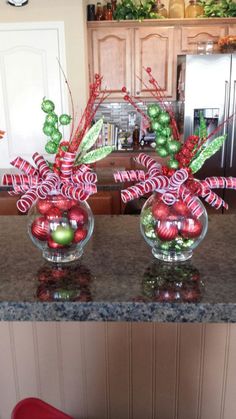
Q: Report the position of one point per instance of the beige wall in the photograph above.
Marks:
(73, 14)
(121, 370)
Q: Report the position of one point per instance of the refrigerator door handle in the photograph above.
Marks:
(226, 107)
(233, 128)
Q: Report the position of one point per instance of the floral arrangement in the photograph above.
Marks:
(129, 10)
(174, 217)
(227, 42)
(70, 173)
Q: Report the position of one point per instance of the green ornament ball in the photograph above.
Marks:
(162, 151)
(155, 125)
(173, 146)
(150, 232)
(173, 164)
(51, 118)
(166, 245)
(51, 147)
(47, 106)
(63, 235)
(147, 217)
(48, 129)
(166, 131)
(64, 119)
(164, 118)
(56, 136)
(160, 140)
(153, 110)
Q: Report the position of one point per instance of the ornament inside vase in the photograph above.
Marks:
(172, 231)
(60, 227)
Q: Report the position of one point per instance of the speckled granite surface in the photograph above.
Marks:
(117, 278)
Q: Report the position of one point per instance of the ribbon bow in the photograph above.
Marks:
(179, 185)
(38, 182)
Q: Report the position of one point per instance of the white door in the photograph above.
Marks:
(29, 70)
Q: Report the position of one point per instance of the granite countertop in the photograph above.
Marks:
(117, 278)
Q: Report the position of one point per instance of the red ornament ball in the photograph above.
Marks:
(40, 228)
(44, 205)
(53, 213)
(77, 214)
(64, 204)
(167, 231)
(180, 208)
(80, 235)
(191, 228)
(54, 245)
(160, 210)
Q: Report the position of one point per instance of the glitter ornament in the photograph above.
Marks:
(47, 106)
(180, 208)
(153, 110)
(162, 151)
(53, 213)
(64, 119)
(78, 215)
(147, 218)
(63, 235)
(40, 228)
(160, 140)
(48, 129)
(51, 118)
(56, 136)
(80, 234)
(51, 147)
(166, 231)
(155, 125)
(173, 146)
(191, 228)
(64, 204)
(44, 205)
(160, 211)
(164, 118)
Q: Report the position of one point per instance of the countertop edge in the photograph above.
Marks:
(119, 311)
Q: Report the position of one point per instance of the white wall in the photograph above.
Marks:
(73, 13)
(121, 370)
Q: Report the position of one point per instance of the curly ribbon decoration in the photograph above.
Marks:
(74, 183)
(172, 188)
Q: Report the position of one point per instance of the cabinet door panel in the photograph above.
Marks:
(111, 58)
(154, 47)
(191, 36)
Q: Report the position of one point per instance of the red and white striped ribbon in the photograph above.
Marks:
(41, 164)
(27, 200)
(9, 180)
(52, 182)
(24, 166)
(74, 192)
(147, 162)
(67, 163)
(142, 188)
(130, 176)
(81, 177)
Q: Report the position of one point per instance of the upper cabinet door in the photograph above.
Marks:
(154, 48)
(110, 56)
(29, 71)
(192, 35)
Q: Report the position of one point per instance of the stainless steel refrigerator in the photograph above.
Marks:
(207, 84)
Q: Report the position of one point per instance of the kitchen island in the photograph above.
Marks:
(117, 278)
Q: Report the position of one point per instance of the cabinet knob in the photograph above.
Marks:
(137, 93)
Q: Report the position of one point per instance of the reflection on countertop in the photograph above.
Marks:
(121, 268)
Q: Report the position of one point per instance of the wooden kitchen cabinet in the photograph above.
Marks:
(120, 54)
(154, 48)
(192, 35)
(119, 50)
(110, 53)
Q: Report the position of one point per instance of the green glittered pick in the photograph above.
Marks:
(91, 137)
(96, 155)
(211, 149)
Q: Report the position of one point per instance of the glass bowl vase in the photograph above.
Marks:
(60, 227)
(172, 231)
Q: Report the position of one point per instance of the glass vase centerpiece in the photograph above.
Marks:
(174, 220)
(54, 193)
